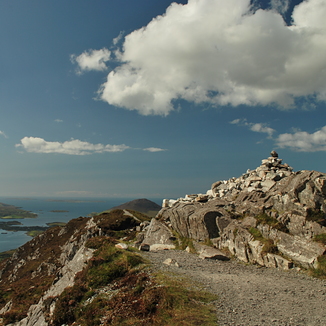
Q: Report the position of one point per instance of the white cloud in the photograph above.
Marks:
(117, 39)
(58, 120)
(2, 133)
(236, 121)
(280, 6)
(302, 141)
(154, 149)
(260, 127)
(220, 52)
(91, 60)
(257, 127)
(71, 147)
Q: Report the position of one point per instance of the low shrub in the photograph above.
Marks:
(268, 244)
(67, 305)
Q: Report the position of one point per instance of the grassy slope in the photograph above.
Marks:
(116, 286)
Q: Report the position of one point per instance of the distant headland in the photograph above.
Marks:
(13, 212)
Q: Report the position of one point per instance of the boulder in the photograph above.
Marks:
(213, 253)
(158, 233)
(276, 261)
(159, 246)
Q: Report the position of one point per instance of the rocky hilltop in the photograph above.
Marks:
(271, 216)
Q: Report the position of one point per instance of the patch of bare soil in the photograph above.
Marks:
(250, 295)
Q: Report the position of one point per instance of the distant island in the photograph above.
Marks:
(59, 211)
(13, 212)
(74, 201)
(32, 231)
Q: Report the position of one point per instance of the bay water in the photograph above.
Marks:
(50, 210)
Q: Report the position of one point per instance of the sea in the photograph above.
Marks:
(51, 210)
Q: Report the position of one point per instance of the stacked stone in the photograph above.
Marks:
(263, 178)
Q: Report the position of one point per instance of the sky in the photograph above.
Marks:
(157, 99)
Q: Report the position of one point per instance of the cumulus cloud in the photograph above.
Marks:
(58, 120)
(91, 60)
(257, 127)
(71, 147)
(218, 52)
(302, 141)
(154, 149)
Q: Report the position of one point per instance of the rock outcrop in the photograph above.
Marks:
(267, 216)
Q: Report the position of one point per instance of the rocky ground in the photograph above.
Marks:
(250, 295)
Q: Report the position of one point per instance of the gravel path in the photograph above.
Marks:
(250, 295)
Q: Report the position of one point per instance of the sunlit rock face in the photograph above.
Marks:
(286, 207)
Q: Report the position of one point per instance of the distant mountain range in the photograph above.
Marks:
(142, 205)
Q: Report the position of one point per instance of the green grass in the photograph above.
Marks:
(16, 217)
(320, 271)
(320, 238)
(34, 233)
(185, 304)
(134, 296)
(273, 222)
(268, 244)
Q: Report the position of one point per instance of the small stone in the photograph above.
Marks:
(121, 246)
(170, 262)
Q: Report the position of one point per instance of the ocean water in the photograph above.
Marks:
(45, 207)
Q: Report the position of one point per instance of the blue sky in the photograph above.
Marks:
(157, 99)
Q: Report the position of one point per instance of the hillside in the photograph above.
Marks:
(142, 205)
(82, 274)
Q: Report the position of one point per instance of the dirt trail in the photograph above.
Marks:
(250, 295)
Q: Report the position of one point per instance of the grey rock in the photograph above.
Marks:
(158, 233)
(296, 200)
(274, 154)
(171, 262)
(159, 246)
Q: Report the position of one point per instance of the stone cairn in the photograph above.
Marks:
(263, 178)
